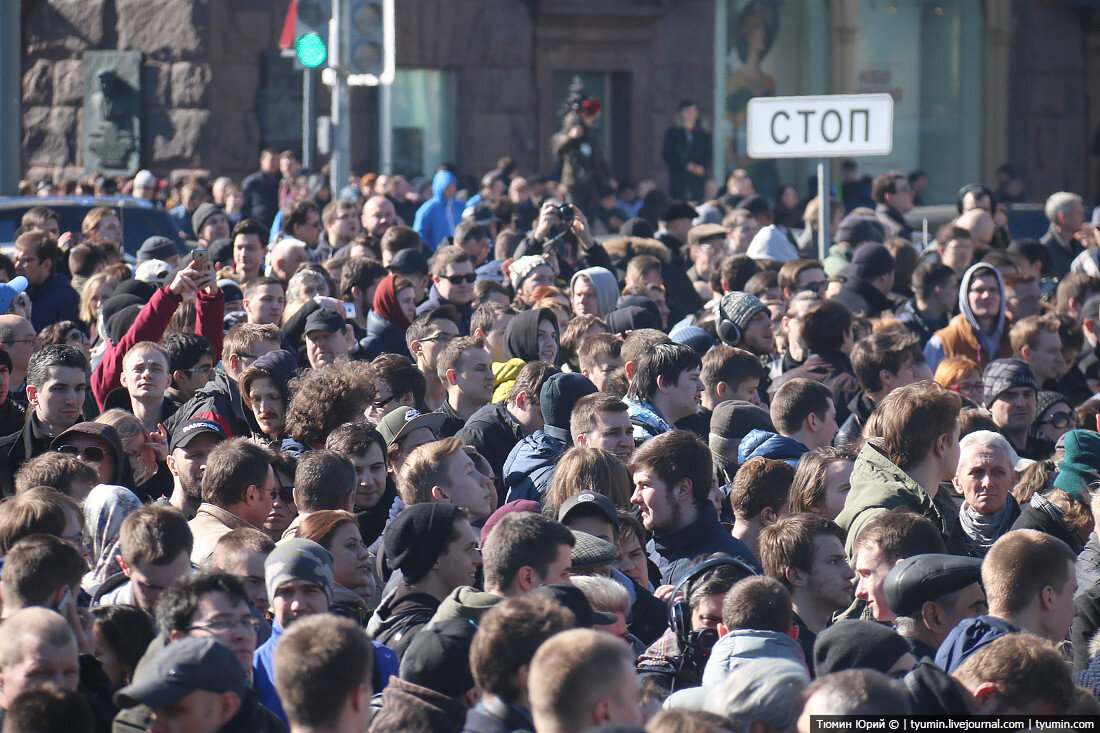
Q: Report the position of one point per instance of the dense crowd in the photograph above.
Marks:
(545, 454)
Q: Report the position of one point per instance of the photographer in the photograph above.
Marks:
(562, 231)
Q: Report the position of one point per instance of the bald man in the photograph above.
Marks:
(37, 646)
(981, 227)
(17, 337)
(378, 216)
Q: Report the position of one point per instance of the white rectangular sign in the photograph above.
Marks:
(821, 127)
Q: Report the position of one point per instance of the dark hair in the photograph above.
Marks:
(39, 510)
(127, 630)
(53, 356)
(362, 273)
(758, 603)
(664, 360)
(85, 260)
(177, 604)
(247, 227)
(810, 478)
(825, 326)
(887, 350)
(530, 380)
(324, 479)
(354, 439)
(733, 272)
(913, 417)
(418, 329)
(38, 566)
(789, 543)
(295, 215)
(400, 237)
(45, 246)
(470, 231)
(928, 276)
(327, 397)
(675, 456)
(731, 365)
(156, 535)
(522, 539)
(49, 707)
(901, 534)
(884, 184)
(231, 468)
(486, 313)
(400, 376)
(760, 483)
(185, 349)
(55, 470)
(795, 400)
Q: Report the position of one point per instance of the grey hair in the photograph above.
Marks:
(1059, 202)
(767, 690)
(989, 439)
(603, 594)
(295, 287)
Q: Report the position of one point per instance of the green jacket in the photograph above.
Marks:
(879, 486)
(839, 257)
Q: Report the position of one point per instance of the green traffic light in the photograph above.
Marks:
(311, 50)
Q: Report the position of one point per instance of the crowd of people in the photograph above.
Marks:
(509, 459)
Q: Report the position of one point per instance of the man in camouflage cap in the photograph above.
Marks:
(298, 575)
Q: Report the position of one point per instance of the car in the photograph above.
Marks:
(140, 219)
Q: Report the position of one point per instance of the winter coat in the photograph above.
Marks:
(495, 716)
(863, 298)
(968, 637)
(438, 216)
(680, 147)
(220, 401)
(963, 336)
(435, 300)
(530, 464)
(52, 301)
(261, 197)
(766, 444)
(674, 552)
(923, 327)
(400, 615)
(382, 338)
(1061, 253)
(935, 692)
(410, 708)
(1085, 625)
(18, 448)
(859, 410)
(832, 369)
(742, 645)
(494, 433)
(893, 222)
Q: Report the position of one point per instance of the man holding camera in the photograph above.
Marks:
(562, 232)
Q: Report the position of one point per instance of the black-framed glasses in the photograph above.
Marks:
(382, 405)
(1061, 420)
(208, 371)
(225, 623)
(88, 453)
(468, 278)
(442, 338)
(28, 340)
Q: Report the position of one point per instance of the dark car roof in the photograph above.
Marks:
(140, 219)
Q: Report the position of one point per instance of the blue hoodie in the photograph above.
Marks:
(766, 444)
(968, 637)
(438, 216)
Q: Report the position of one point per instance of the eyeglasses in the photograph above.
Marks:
(79, 336)
(1061, 420)
(442, 338)
(382, 404)
(208, 371)
(469, 277)
(88, 453)
(223, 624)
(814, 287)
(28, 340)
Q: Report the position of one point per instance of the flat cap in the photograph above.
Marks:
(922, 578)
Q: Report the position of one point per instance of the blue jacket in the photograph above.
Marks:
(437, 217)
(766, 444)
(674, 553)
(434, 300)
(530, 466)
(382, 338)
(54, 300)
(968, 637)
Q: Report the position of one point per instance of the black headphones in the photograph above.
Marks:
(728, 331)
(978, 189)
(679, 613)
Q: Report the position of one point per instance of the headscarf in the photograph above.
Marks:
(385, 303)
(105, 508)
(521, 338)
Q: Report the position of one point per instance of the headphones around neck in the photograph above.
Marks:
(727, 330)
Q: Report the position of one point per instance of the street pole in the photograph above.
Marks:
(823, 210)
(309, 119)
(11, 96)
(385, 127)
(341, 119)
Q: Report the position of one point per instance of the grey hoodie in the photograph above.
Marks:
(607, 287)
(989, 342)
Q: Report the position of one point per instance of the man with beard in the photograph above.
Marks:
(191, 443)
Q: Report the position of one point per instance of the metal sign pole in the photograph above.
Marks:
(309, 119)
(823, 217)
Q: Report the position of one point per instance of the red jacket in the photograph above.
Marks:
(150, 324)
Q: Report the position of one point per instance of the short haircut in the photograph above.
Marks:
(251, 227)
(913, 418)
(143, 346)
(38, 510)
(488, 312)
(1025, 332)
(400, 237)
(362, 273)
(664, 360)
(400, 376)
(928, 276)
(1020, 564)
(185, 349)
(39, 623)
(887, 183)
(85, 260)
(421, 325)
(230, 545)
(1058, 203)
(507, 638)
(243, 336)
(250, 289)
(453, 354)
(177, 604)
(675, 456)
(758, 603)
(36, 216)
(49, 707)
(297, 214)
(1078, 286)
(425, 468)
(1024, 668)
(519, 540)
(446, 256)
(598, 345)
(582, 468)
(571, 671)
(825, 326)
(530, 380)
(790, 271)
(951, 232)
(887, 350)
(811, 477)
(796, 400)
(231, 468)
(639, 266)
(584, 414)
(470, 232)
(317, 664)
(760, 283)
(603, 593)
(731, 365)
(324, 479)
(155, 535)
(44, 245)
(640, 341)
(576, 333)
(354, 439)
(38, 566)
(734, 272)
(900, 534)
(334, 208)
(759, 484)
(861, 691)
(54, 356)
(56, 470)
(789, 543)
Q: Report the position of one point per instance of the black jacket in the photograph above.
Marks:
(18, 448)
(496, 716)
(382, 337)
(400, 616)
(493, 432)
(1085, 625)
(1061, 253)
(677, 150)
(453, 422)
(851, 430)
(220, 401)
(834, 370)
(680, 295)
(863, 298)
(935, 692)
(893, 222)
(261, 197)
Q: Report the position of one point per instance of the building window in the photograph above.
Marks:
(424, 114)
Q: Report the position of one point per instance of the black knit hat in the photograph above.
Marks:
(856, 643)
(417, 537)
(1003, 374)
(631, 318)
(871, 260)
(559, 395)
(438, 657)
(734, 419)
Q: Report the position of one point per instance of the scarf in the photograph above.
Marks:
(982, 530)
(385, 303)
(105, 508)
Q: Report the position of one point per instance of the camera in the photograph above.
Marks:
(566, 213)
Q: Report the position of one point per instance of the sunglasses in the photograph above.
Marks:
(468, 278)
(87, 453)
(1062, 420)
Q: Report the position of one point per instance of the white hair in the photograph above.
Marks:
(1059, 202)
(991, 440)
(603, 593)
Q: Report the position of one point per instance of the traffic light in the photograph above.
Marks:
(370, 42)
(311, 32)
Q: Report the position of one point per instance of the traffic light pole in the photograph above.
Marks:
(309, 119)
(341, 118)
(385, 127)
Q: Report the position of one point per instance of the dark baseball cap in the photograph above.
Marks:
(186, 431)
(574, 599)
(593, 503)
(324, 319)
(182, 668)
(402, 420)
